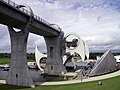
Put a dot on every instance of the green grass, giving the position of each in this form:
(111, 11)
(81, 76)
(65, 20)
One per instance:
(4, 60)
(108, 84)
(31, 60)
(7, 60)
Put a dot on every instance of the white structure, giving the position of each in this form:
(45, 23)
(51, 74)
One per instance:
(104, 65)
(86, 50)
(117, 58)
(81, 49)
(38, 56)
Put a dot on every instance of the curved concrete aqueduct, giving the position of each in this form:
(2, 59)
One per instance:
(15, 16)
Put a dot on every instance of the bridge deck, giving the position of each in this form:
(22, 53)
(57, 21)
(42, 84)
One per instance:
(9, 15)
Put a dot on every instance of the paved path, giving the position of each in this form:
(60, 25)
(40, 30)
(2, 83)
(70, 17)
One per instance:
(76, 81)
(79, 81)
(3, 81)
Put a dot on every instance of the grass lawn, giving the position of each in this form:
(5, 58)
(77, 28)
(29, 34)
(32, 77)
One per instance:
(108, 84)
(7, 60)
(4, 60)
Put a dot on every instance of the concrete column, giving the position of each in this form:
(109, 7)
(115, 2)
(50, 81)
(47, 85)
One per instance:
(54, 64)
(19, 73)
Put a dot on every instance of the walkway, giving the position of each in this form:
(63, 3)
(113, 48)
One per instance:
(76, 81)
(3, 81)
(79, 81)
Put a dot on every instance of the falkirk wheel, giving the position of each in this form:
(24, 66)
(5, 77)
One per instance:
(71, 48)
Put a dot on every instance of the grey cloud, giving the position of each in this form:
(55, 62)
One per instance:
(5, 45)
(36, 40)
(100, 43)
(4, 39)
(79, 16)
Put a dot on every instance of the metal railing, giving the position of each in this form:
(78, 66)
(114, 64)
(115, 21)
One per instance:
(23, 10)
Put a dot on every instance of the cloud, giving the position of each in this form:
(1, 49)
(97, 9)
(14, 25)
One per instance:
(36, 40)
(103, 42)
(5, 45)
(97, 21)
(4, 39)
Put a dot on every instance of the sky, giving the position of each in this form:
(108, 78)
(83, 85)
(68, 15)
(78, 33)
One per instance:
(96, 21)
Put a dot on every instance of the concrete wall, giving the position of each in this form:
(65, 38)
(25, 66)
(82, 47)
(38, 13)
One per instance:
(54, 64)
(107, 63)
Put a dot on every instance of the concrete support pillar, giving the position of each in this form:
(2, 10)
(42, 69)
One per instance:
(19, 73)
(54, 64)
